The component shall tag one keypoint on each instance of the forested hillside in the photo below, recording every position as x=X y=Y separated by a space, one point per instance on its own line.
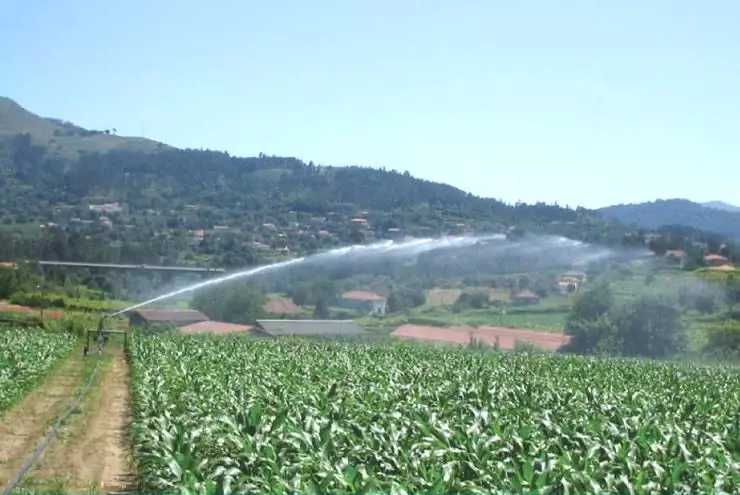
x=136 y=201
x=123 y=199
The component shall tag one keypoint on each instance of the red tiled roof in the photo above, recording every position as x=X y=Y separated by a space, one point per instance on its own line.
x=358 y=295
x=187 y=315
x=218 y=327
x=507 y=337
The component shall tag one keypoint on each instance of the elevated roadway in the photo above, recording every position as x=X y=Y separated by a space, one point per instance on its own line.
x=151 y=268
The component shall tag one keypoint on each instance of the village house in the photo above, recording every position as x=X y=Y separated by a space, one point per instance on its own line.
x=675 y=255
x=368 y=302
x=259 y=245
x=106 y=208
x=715 y=260
x=360 y=222
x=567 y=285
x=525 y=298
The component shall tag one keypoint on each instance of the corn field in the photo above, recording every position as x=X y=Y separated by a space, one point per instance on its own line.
x=221 y=415
x=26 y=356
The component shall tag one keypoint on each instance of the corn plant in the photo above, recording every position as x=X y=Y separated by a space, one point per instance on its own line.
x=229 y=414
x=26 y=356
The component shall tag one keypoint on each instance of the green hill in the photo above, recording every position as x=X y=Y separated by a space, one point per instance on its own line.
x=64 y=138
x=53 y=169
x=56 y=178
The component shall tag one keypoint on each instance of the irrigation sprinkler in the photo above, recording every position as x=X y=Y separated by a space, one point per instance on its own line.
x=101 y=334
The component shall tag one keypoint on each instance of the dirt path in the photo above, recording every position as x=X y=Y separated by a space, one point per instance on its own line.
x=91 y=453
x=24 y=425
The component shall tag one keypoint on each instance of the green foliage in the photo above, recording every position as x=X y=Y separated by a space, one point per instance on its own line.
x=236 y=303
x=724 y=341
x=593 y=303
x=471 y=300
x=647 y=325
x=309 y=293
x=650 y=326
x=700 y=297
x=234 y=415
x=26 y=356
x=41 y=300
x=73 y=324
x=405 y=298
x=321 y=310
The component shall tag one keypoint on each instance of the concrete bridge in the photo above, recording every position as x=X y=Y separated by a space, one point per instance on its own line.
x=151 y=268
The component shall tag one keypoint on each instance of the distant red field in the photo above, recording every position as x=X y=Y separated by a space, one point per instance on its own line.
x=505 y=337
x=14 y=308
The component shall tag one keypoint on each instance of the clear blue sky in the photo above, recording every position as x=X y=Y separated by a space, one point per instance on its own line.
x=580 y=102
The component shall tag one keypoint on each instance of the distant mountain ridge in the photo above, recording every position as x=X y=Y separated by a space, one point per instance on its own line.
x=721 y=205
x=716 y=216
x=64 y=138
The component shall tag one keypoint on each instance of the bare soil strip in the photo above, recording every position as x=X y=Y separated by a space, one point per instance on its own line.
x=91 y=453
x=24 y=425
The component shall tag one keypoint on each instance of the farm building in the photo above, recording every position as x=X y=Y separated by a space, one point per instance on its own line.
x=178 y=318
x=215 y=327
x=506 y=338
x=368 y=302
x=674 y=254
x=307 y=328
x=715 y=260
x=525 y=297
x=567 y=285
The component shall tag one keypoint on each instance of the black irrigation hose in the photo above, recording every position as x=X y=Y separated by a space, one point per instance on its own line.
x=50 y=435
